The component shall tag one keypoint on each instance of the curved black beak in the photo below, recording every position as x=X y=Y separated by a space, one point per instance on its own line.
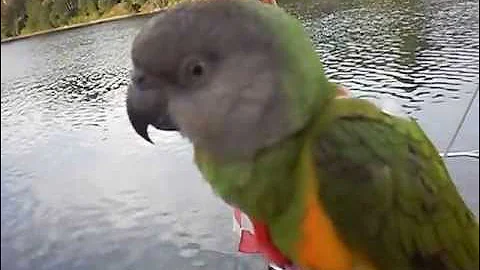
x=148 y=107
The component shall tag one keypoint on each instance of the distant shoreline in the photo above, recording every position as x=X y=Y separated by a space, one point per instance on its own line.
x=79 y=25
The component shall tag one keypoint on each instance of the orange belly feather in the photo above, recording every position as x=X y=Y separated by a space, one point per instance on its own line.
x=320 y=247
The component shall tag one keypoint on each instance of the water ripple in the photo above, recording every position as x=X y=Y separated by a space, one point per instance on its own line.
x=400 y=48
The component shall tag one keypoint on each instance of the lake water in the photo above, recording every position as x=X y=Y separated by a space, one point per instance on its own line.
x=80 y=190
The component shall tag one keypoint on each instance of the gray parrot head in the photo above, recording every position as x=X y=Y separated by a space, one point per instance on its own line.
x=216 y=71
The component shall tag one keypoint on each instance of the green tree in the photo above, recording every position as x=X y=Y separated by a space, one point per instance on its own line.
x=105 y=5
x=134 y=5
x=60 y=11
x=88 y=9
x=28 y=16
x=38 y=16
x=12 y=17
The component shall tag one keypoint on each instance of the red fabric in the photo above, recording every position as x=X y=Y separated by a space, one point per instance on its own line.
x=266 y=246
x=248 y=243
x=260 y=242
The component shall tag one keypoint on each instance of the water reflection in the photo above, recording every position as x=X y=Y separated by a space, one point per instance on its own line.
x=80 y=190
x=398 y=48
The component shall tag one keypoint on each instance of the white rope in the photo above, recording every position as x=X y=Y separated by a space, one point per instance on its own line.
x=459 y=127
x=472 y=154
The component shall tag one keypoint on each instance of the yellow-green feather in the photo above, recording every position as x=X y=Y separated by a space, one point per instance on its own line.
x=265 y=188
x=388 y=191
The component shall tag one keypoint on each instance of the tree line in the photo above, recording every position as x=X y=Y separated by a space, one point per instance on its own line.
x=20 y=17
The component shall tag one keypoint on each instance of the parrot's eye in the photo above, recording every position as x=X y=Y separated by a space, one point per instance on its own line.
x=193 y=71
x=197 y=70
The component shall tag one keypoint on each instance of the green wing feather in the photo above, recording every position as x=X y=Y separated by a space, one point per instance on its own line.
x=389 y=194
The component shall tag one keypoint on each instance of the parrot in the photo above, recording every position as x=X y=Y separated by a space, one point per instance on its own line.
x=336 y=183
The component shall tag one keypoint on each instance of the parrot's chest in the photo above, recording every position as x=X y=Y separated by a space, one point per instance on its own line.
x=319 y=246
x=305 y=233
